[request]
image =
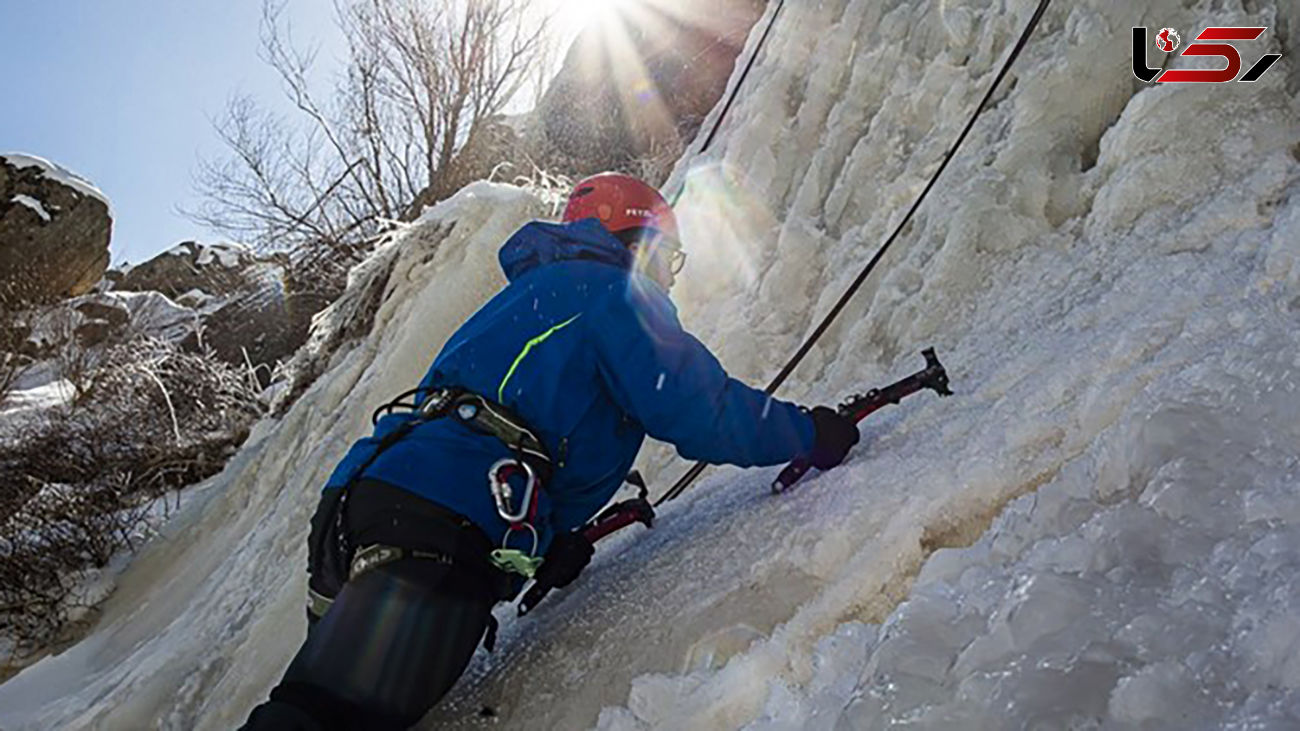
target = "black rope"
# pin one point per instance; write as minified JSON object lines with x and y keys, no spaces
{"x":748,"y":65}
{"x":685,"y":481}
{"x":726,"y":107}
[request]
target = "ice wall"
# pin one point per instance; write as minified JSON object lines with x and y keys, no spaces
{"x":1106,"y":268}
{"x":1109,"y":269}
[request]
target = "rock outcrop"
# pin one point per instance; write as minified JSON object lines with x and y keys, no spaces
{"x":242,"y":302}
{"x":54,"y":232}
{"x":626,"y":97}
{"x":219,"y":270}
{"x":102,"y":316}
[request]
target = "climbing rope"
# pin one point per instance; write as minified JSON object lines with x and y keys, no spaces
{"x":748,"y":65}
{"x":680,"y":486}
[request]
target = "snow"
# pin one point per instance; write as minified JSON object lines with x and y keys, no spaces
{"x":1099,"y":530}
{"x":35,"y":391}
{"x":58,"y":174}
{"x":227,"y":255}
{"x":195,"y":298}
{"x":35,"y":205}
{"x":154,"y":313}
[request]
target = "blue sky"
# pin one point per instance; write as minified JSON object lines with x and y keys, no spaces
{"x":121,"y":92}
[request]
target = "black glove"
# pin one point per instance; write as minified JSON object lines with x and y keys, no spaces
{"x":568,"y":555}
{"x":836,"y":435}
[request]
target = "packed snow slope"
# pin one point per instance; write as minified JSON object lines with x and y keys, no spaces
{"x":1101,"y":530}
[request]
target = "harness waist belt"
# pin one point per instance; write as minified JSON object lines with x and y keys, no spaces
{"x":377,"y":554}
{"x":373,"y":556}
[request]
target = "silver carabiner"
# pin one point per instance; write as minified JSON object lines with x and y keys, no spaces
{"x":434,"y":403}
{"x":502,"y":493}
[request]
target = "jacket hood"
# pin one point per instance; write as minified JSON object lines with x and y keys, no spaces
{"x":539,"y":243}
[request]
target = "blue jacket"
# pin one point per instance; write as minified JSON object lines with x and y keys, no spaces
{"x":593,"y":358}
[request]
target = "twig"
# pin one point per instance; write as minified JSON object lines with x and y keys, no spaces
{"x":176,"y":427}
{"x":253,"y":383}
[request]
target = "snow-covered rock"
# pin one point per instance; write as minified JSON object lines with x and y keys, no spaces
{"x":98,"y":317}
{"x":54,"y":231}
{"x":220,"y":269}
{"x":155,"y":314}
{"x":238,"y":296}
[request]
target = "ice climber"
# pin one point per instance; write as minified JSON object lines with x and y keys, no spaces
{"x":522,"y":430}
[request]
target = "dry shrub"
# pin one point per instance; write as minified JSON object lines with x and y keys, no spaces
{"x":79,"y":484}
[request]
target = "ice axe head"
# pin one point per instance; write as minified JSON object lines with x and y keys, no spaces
{"x":635,"y":479}
{"x":934,"y":376}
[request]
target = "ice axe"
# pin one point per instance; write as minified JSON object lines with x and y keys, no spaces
{"x":858,"y":407}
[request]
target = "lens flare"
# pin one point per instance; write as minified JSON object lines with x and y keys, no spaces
{"x":722,"y":222}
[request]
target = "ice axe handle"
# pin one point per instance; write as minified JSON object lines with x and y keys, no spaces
{"x":535,"y":594}
{"x":797,"y":468}
{"x":637,"y":510}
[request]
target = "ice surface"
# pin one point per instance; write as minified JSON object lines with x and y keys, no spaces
{"x":35,"y":205}
{"x":58,"y":174}
{"x":1100,"y":530}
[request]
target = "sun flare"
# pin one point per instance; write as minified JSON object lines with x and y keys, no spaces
{"x":574,"y":16}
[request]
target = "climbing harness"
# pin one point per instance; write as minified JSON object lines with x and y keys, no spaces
{"x":420,"y":530}
{"x":479,"y":413}
{"x":685,"y":481}
{"x":469,"y":553}
{"x":530,"y":458}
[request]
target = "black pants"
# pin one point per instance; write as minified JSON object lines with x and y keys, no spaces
{"x":398,"y":636}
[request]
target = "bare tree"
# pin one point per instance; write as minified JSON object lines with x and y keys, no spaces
{"x":422,"y":84}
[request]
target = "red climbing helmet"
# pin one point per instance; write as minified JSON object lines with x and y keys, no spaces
{"x":622,"y":202}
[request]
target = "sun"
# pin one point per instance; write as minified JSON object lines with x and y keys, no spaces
{"x":574,"y":16}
